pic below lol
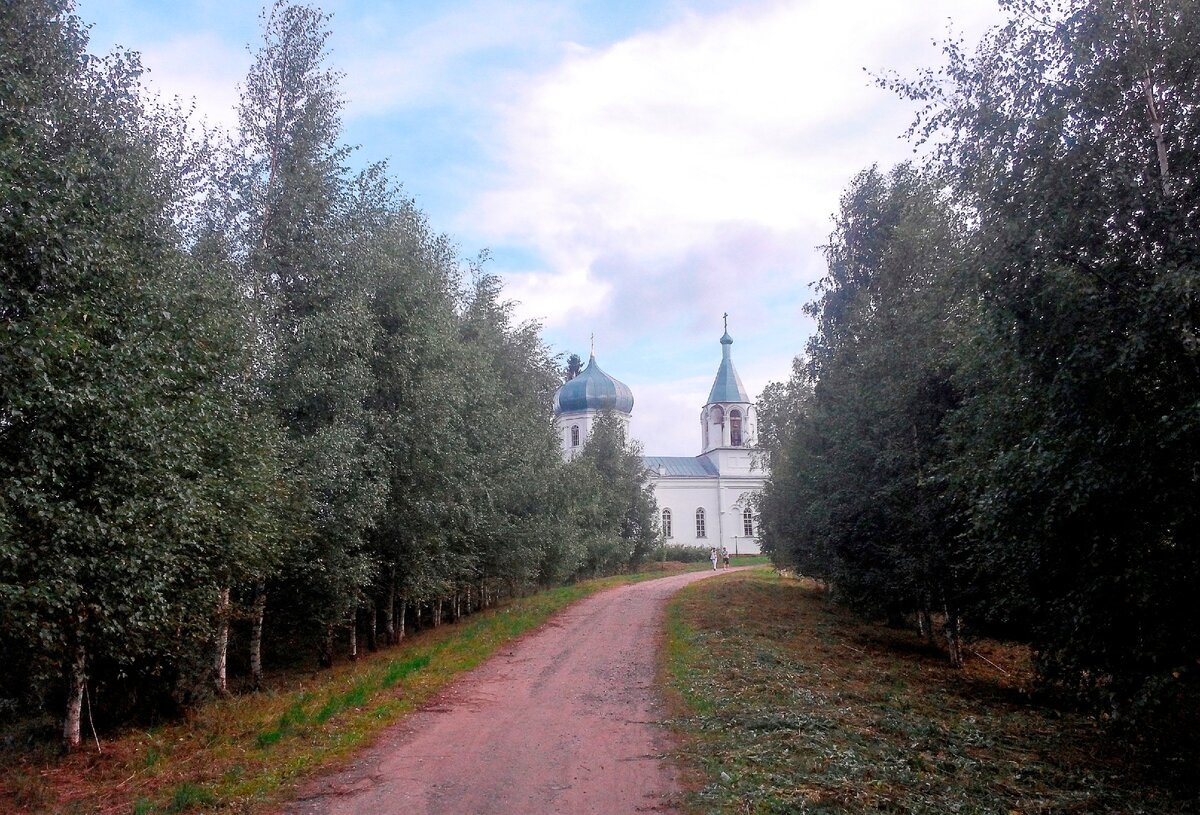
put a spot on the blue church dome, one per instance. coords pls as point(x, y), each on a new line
point(593, 390)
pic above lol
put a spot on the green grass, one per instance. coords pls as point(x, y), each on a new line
point(787, 704)
point(189, 797)
point(246, 753)
point(403, 668)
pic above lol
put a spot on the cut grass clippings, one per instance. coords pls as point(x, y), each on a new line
point(245, 753)
point(788, 704)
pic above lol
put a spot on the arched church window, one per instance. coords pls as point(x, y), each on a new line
point(748, 522)
point(574, 435)
point(735, 428)
point(718, 415)
point(700, 523)
point(666, 523)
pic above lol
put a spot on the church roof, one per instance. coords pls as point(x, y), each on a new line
point(593, 389)
point(727, 387)
point(681, 466)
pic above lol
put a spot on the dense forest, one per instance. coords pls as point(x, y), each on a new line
point(996, 425)
point(253, 407)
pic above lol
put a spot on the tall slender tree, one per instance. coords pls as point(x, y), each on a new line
point(418, 389)
point(297, 210)
point(616, 505)
point(1073, 135)
point(115, 428)
point(856, 498)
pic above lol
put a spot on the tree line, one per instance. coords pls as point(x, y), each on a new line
point(995, 424)
point(252, 404)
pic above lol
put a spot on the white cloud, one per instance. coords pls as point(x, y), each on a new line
point(391, 64)
point(689, 171)
point(543, 293)
point(712, 150)
point(201, 69)
point(666, 414)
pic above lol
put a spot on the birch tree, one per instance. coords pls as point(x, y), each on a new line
point(1072, 134)
point(296, 206)
point(113, 418)
point(858, 436)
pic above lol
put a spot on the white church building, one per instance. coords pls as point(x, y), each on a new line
point(704, 500)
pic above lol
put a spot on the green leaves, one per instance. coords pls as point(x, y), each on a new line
point(615, 507)
point(1003, 397)
point(856, 435)
point(114, 408)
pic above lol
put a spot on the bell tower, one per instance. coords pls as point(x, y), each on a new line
point(727, 420)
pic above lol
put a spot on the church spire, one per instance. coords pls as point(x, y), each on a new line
point(727, 387)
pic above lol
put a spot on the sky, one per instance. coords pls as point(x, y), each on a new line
point(635, 169)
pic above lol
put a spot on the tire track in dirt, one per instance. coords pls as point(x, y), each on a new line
point(565, 720)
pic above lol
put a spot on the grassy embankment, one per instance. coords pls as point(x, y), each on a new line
point(787, 704)
point(239, 755)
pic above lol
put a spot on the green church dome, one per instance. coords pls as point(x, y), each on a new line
point(593, 390)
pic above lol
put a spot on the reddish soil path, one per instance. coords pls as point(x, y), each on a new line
point(563, 721)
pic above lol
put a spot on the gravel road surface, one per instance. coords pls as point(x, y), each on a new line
point(565, 720)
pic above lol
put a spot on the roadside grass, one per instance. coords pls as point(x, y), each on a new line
point(788, 704)
point(245, 753)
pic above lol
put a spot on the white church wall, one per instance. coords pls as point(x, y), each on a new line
point(722, 511)
point(721, 482)
point(584, 420)
point(737, 462)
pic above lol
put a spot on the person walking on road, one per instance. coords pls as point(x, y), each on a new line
point(712, 555)
point(725, 556)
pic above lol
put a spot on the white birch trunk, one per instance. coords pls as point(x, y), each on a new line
point(77, 681)
point(256, 631)
point(220, 680)
point(325, 653)
point(1149, 90)
point(953, 640)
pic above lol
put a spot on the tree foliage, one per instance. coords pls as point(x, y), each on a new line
point(857, 452)
point(120, 442)
point(1077, 448)
point(249, 398)
point(611, 493)
point(1040, 344)
point(573, 368)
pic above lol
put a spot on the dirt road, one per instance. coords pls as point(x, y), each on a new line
point(564, 721)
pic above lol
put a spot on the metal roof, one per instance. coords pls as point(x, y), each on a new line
point(727, 387)
point(593, 390)
point(681, 466)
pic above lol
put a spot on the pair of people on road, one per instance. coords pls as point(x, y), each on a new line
point(716, 557)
